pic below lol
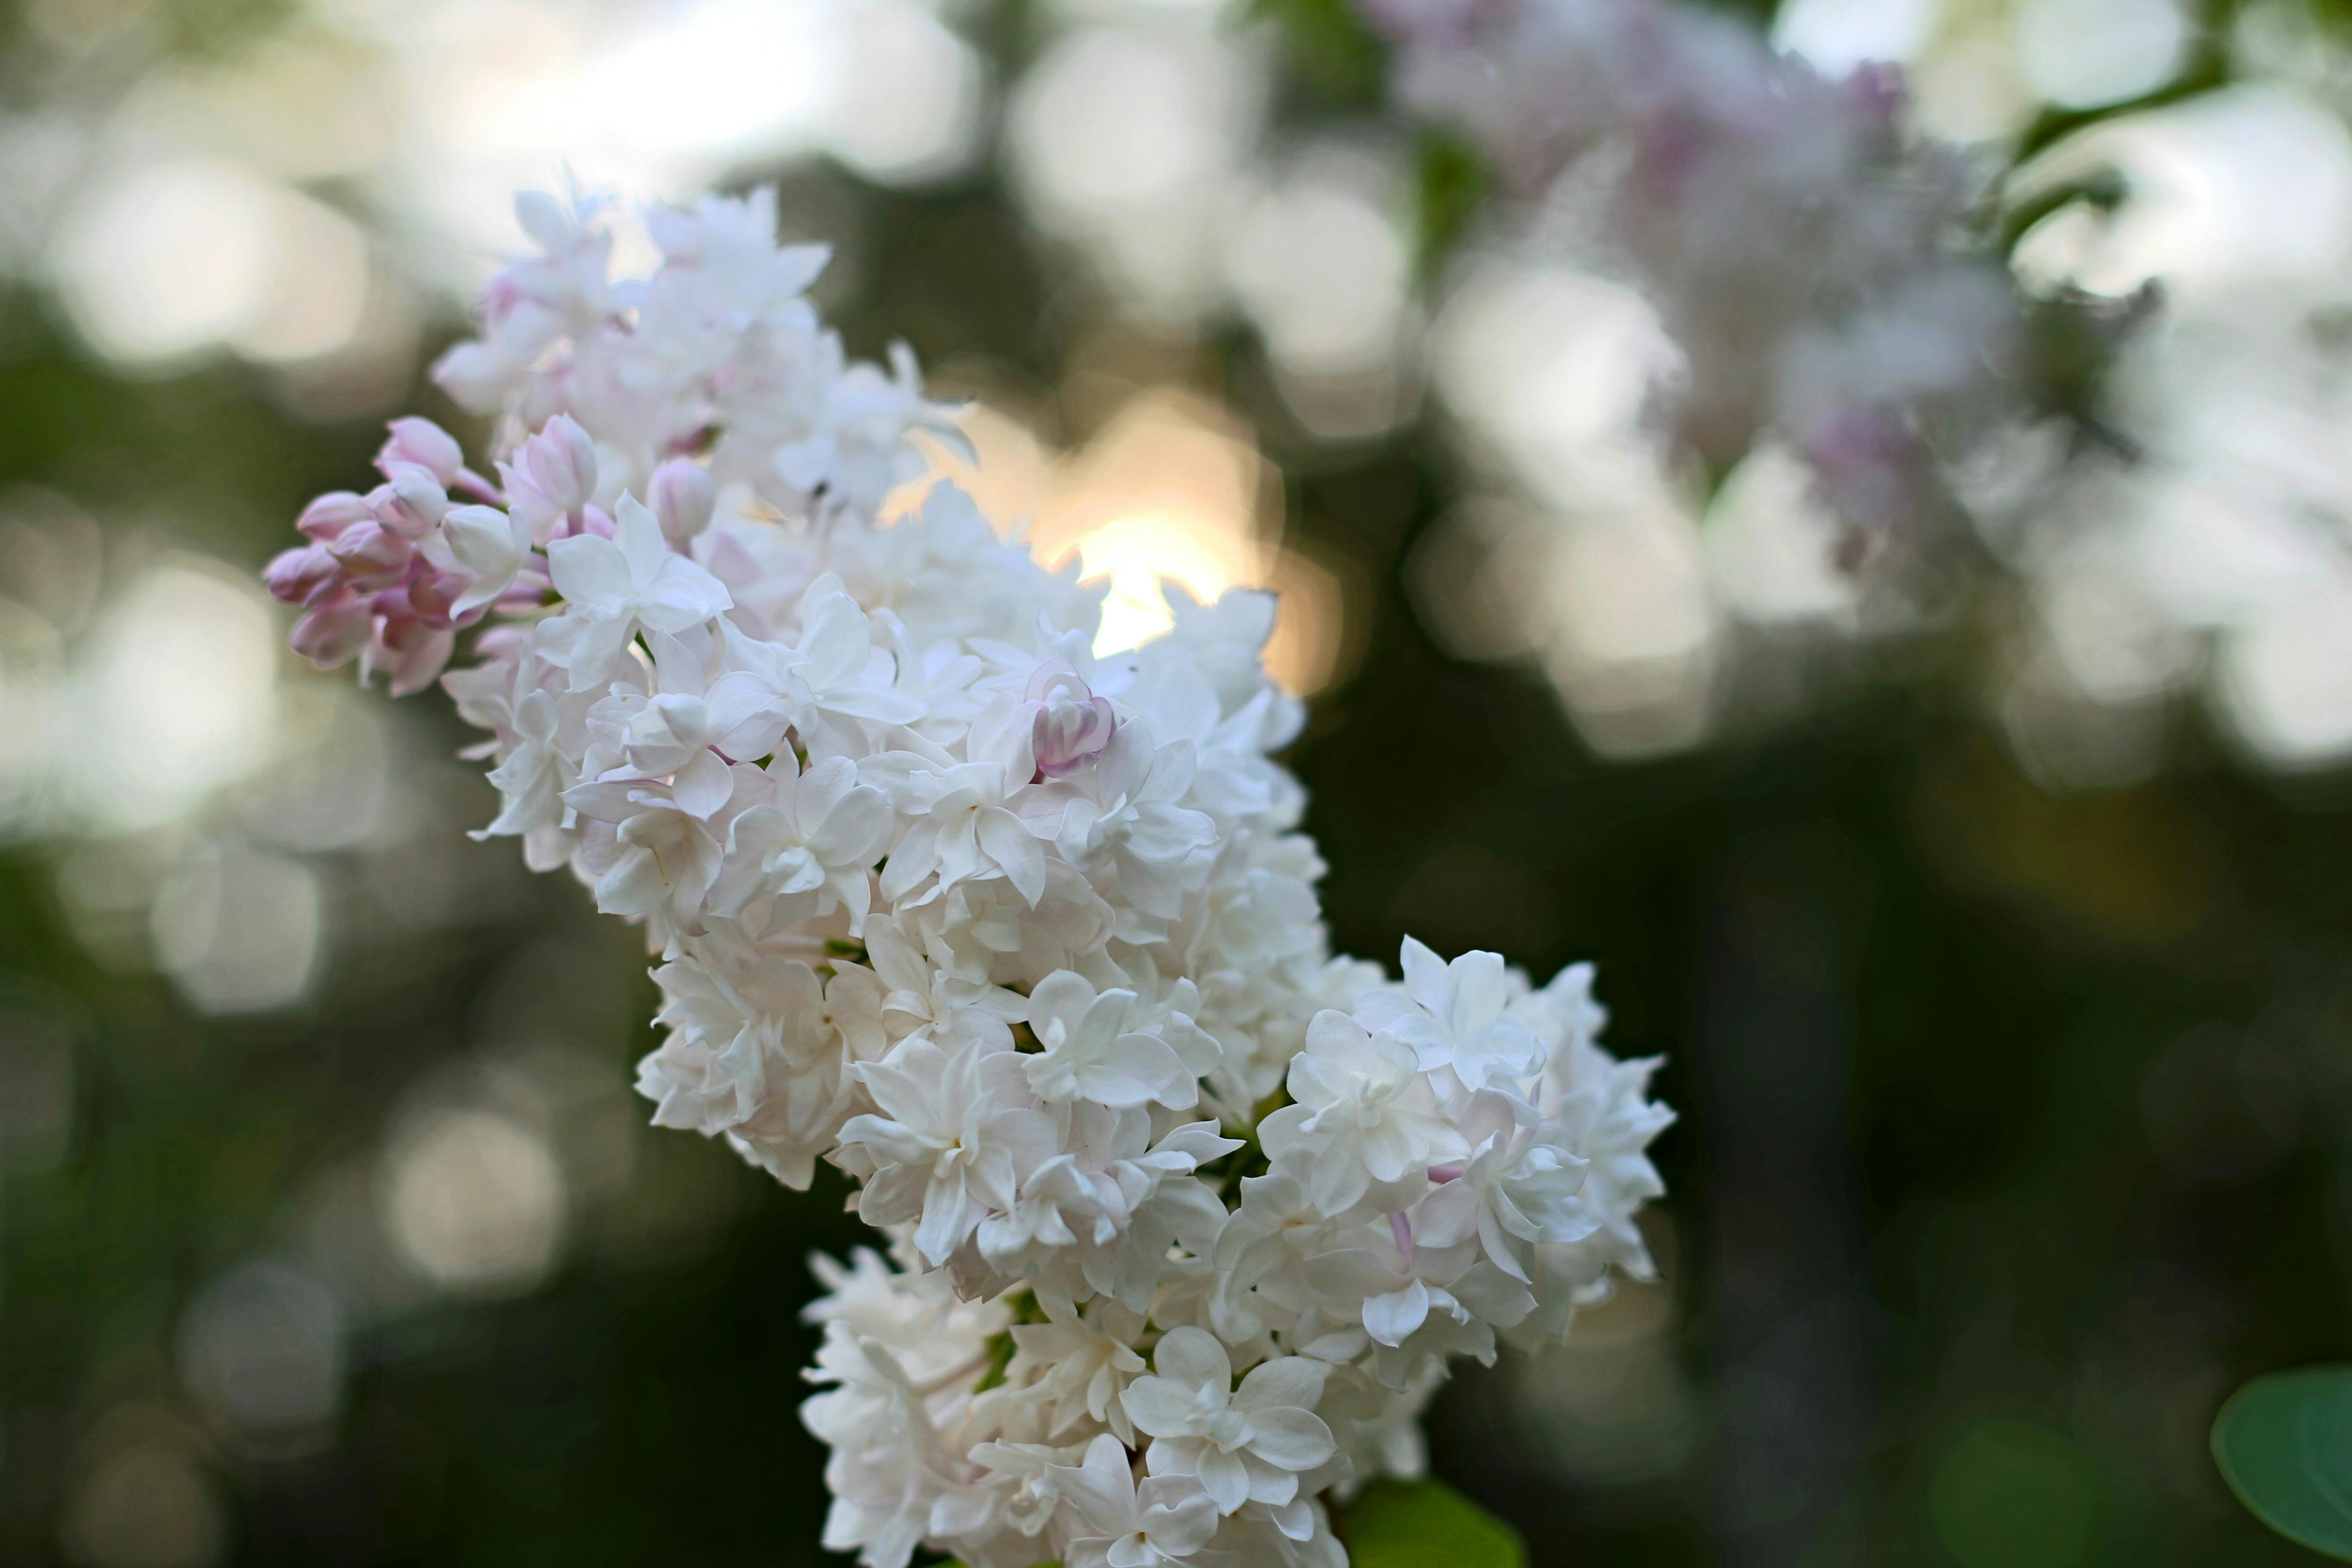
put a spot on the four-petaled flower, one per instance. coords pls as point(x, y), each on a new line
point(1249, 1443)
point(613, 586)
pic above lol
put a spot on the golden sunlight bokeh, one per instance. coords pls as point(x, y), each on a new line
point(1170, 489)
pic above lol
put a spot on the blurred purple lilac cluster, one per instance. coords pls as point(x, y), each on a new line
point(1822, 271)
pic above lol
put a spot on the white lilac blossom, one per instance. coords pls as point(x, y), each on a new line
point(1184, 1216)
point(1817, 265)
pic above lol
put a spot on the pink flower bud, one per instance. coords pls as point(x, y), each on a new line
point(371, 554)
point(331, 513)
point(431, 594)
point(425, 444)
point(683, 498)
point(334, 632)
point(1069, 724)
point(298, 575)
point(412, 653)
point(410, 502)
point(554, 474)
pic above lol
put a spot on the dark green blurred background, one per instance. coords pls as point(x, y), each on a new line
point(2015, 1119)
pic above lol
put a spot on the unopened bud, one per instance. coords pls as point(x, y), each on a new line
point(331, 513)
point(1068, 723)
point(413, 653)
point(426, 445)
point(335, 632)
point(683, 498)
point(373, 554)
point(297, 576)
point(409, 501)
point(561, 462)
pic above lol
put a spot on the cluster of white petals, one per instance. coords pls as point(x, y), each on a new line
point(1184, 1216)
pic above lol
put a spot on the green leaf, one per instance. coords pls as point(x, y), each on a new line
point(2285, 1445)
point(1425, 1524)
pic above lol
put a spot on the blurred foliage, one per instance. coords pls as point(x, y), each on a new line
point(1334, 59)
point(1452, 187)
point(200, 29)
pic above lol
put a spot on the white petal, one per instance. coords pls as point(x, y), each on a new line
point(1424, 976)
point(1391, 1318)
point(703, 786)
point(1225, 1479)
point(639, 538)
point(1158, 1405)
point(1293, 1438)
point(588, 570)
point(1288, 1380)
point(1016, 851)
point(1193, 1357)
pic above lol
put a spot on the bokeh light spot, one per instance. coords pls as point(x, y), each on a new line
point(474, 1201)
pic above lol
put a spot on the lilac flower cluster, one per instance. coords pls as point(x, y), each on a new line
point(1811, 258)
point(1182, 1218)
